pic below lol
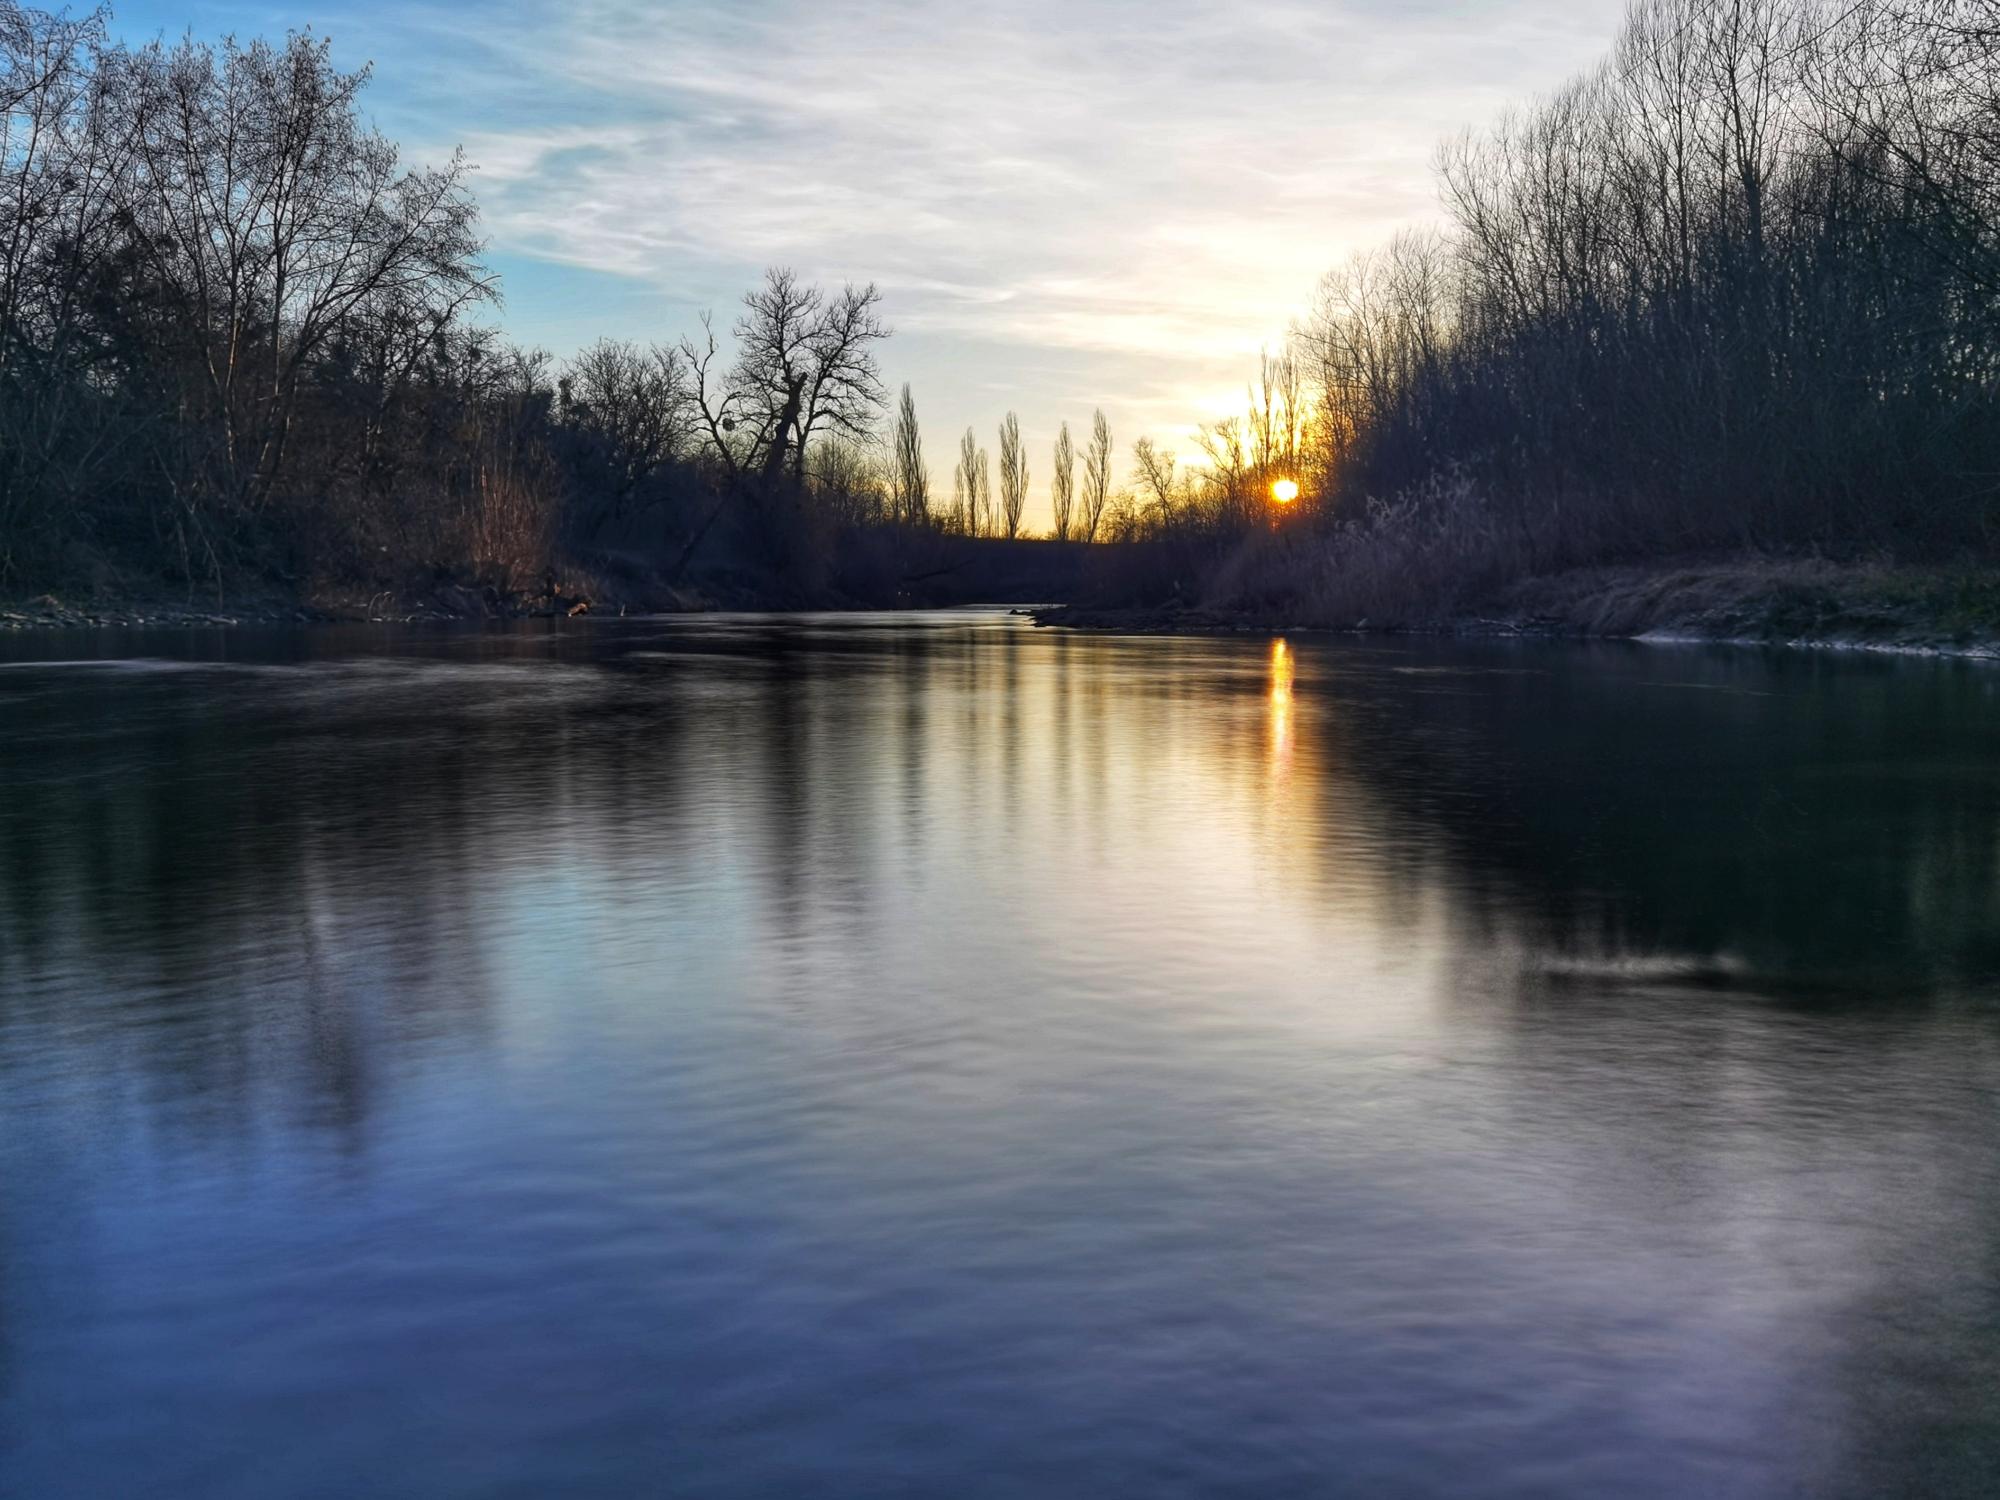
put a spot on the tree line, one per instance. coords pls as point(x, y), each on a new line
point(1731, 289)
point(1734, 288)
point(242, 343)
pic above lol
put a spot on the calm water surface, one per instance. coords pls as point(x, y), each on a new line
point(921, 1056)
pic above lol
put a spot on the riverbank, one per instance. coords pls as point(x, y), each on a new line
point(1745, 601)
point(442, 601)
point(1807, 603)
point(49, 612)
point(878, 569)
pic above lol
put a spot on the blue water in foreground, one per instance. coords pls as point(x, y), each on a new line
point(923, 1056)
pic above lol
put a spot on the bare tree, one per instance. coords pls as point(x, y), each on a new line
point(1155, 468)
point(805, 370)
point(1096, 475)
point(268, 209)
point(1013, 475)
point(1734, 287)
point(982, 495)
point(849, 484)
point(1277, 417)
point(1916, 86)
point(805, 366)
point(234, 340)
point(1374, 337)
point(715, 401)
point(911, 484)
point(1228, 467)
point(970, 487)
point(1062, 483)
point(60, 158)
point(962, 491)
point(630, 411)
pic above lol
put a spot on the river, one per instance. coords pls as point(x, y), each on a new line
point(922, 1055)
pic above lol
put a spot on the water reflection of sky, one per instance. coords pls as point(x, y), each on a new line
point(930, 1055)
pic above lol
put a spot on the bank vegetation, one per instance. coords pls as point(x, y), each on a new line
point(1720, 312)
point(248, 352)
point(1730, 295)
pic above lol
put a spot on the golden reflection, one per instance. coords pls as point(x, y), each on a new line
point(1281, 700)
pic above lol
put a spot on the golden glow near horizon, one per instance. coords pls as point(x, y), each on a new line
point(1285, 491)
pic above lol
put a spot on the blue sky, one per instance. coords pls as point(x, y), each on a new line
point(1067, 203)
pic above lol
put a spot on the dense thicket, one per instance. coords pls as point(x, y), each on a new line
point(213, 278)
point(239, 347)
point(1735, 286)
point(1733, 289)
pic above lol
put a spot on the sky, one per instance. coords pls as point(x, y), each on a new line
point(1067, 204)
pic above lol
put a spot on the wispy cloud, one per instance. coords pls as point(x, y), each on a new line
point(1067, 202)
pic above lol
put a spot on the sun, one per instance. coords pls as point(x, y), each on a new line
point(1285, 491)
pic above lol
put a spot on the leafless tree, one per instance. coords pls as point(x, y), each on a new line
point(962, 520)
point(716, 402)
point(1096, 475)
point(235, 342)
point(59, 160)
point(1277, 417)
point(631, 408)
point(1718, 291)
point(1013, 475)
point(805, 366)
point(982, 496)
point(1228, 466)
point(1062, 483)
point(912, 483)
point(971, 486)
point(849, 486)
point(1154, 467)
point(266, 207)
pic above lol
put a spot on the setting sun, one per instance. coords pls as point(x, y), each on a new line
point(1285, 491)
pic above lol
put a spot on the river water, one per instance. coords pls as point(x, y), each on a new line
point(925, 1056)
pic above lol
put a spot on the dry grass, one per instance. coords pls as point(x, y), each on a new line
point(1420, 559)
point(1765, 599)
point(1440, 558)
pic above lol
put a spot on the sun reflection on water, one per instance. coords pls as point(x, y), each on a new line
point(1282, 670)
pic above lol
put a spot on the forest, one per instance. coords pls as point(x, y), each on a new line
point(245, 348)
point(1730, 294)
